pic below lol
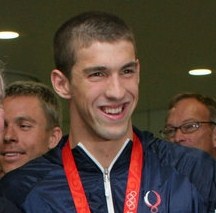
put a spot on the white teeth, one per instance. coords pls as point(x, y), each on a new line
point(11, 154)
point(113, 110)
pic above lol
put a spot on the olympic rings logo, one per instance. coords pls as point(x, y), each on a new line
point(131, 200)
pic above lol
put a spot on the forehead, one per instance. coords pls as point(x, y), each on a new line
point(106, 52)
point(21, 102)
point(188, 109)
point(23, 107)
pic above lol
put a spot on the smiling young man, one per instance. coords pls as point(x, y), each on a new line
point(32, 123)
point(105, 164)
point(104, 89)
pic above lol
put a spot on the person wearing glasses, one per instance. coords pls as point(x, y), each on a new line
point(105, 164)
point(191, 121)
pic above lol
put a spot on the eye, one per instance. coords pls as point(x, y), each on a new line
point(169, 131)
point(128, 71)
point(96, 74)
point(188, 127)
point(25, 126)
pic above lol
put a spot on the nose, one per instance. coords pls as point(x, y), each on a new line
point(178, 137)
point(115, 88)
point(9, 134)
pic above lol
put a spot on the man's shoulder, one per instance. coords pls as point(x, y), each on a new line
point(17, 184)
point(25, 177)
point(191, 163)
point(37, 167)
point(7, 207)
point(181, 158)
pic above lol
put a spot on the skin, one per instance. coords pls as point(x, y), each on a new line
point(102, 94)
point(1, 133)
point(187, 110)
point(25, 133)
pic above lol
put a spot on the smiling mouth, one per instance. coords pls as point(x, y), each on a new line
point(113, 110)
point(11, 154)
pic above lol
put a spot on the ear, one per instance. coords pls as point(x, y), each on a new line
point(60, 84)
point(55, 136)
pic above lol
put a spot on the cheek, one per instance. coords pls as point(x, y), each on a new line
point(206, 132)
point(134, 91)
point(88, 95)
point(201, 137)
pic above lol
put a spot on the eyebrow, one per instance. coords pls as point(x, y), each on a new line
point(190, 120)
point(96, 68)
point(25, 118)
point(130, 64)
point(102, 68)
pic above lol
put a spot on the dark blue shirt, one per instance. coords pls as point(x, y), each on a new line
point(184, 179)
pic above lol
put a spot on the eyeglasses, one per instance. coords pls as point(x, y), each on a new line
point(185, 128)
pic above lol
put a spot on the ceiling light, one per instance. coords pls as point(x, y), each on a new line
point(200, 72)
point(8, 35)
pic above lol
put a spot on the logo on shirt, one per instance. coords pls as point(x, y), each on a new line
point(152, 199)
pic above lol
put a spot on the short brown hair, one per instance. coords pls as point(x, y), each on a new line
point(81, 31)
point(47, 97)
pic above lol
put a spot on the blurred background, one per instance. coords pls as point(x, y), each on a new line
point(172, 37)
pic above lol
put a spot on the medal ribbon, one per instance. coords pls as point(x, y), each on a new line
point(133, 182)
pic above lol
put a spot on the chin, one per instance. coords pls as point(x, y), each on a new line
point(113, 133)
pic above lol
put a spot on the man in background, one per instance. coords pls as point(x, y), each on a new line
point(5, 205)
point(32, 123)
point(105, 164)
point(191, 121)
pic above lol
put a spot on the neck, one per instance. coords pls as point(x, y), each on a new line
point(104, 151)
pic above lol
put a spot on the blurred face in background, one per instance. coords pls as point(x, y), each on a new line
point(187, 113)
point(26, 135)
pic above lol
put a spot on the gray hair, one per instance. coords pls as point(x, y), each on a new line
point(209, 102)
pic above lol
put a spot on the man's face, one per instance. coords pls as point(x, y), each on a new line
point(190, 110)
point(104, 89)
point(25, 133)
